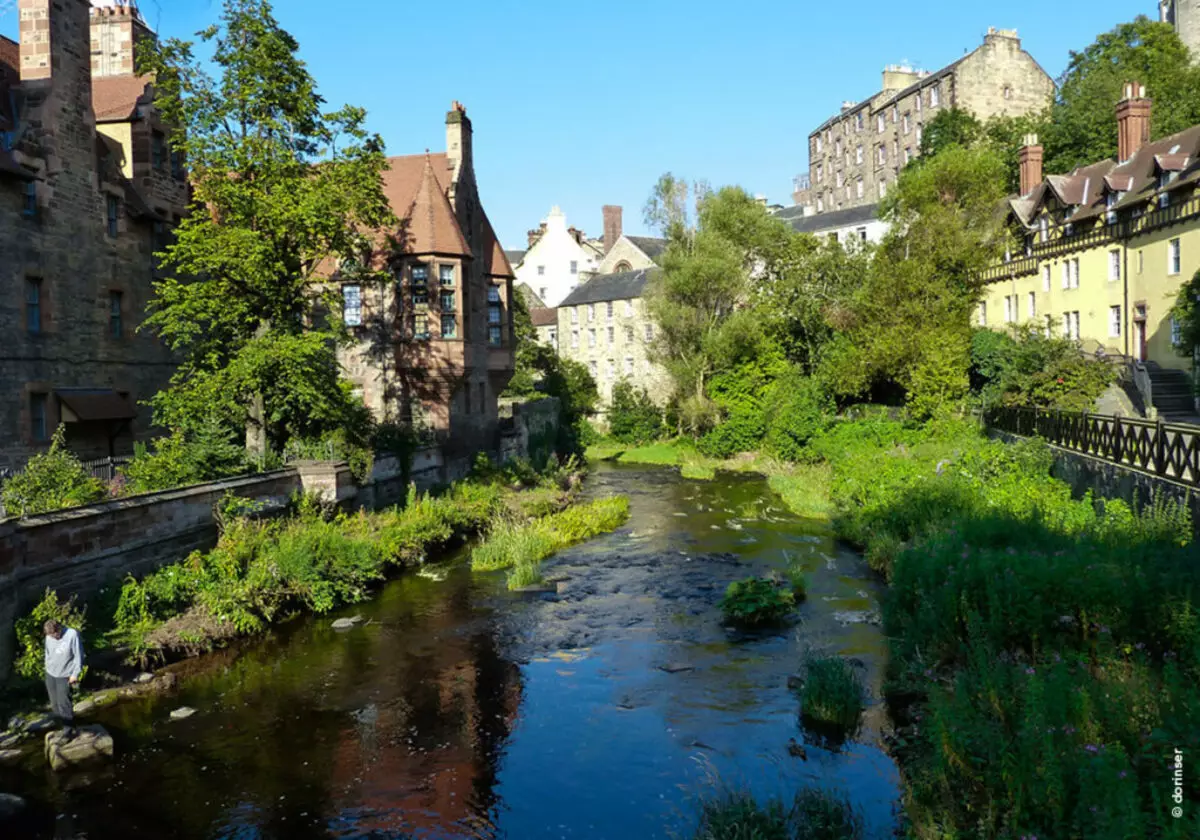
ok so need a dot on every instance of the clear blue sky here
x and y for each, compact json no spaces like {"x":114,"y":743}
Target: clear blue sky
{"x":586,"y":104}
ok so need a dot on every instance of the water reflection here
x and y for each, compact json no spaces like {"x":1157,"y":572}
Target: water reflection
{"x":460,"y":710}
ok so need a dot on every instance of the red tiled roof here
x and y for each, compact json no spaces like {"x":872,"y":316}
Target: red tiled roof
{"x":115,"y":98}
{"x":428,"y":223}
{"x":543,"y":317}
{"x":495,"y":262}
{"x":10,"y":56}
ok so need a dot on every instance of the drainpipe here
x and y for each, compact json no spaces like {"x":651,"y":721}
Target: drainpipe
{"x":1127,"y":326}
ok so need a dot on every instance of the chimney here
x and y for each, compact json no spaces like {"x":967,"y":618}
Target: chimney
{"x":56,"y":42}
{"x":612,"y":226}
{"x":1133,"y":121}
{"x":1030,"y":158}
{"x":118,"y":31}
{"x":458,"y":146}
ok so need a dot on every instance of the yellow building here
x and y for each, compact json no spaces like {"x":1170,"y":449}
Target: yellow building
{"x":1106,"y":247}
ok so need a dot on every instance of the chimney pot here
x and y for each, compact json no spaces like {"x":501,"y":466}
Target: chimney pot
{"x":612,"y":225}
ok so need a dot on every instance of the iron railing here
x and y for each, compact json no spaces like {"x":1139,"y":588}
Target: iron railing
{"x":105,"y":469}
{"x":1168,"y":450}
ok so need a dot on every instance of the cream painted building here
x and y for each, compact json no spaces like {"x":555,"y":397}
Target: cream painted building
{"x":604,"y":325}
{"x":1106,"y":247}
{"x":558,"y":259}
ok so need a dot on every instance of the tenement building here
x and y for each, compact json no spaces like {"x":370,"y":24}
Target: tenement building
{"x":1104,"y":250}
{"x":1185,"y":16}
{"x":434,"y":346}
{"x":88,"y":192}
{"x":856,"y":155}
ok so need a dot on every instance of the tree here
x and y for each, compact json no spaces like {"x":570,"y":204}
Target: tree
{"x":632,"y":415}
{"x":282,"y":193}
{"x":1082,"y":128}
{"x":669,"y":208}
{"x":1187,"y":315}
{"x":951,"y":127}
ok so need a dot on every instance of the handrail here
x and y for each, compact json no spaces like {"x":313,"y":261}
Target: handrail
{"x":1142,"y":381}
{"x":1168,"y":450}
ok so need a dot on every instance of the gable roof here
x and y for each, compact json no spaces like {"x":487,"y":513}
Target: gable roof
{"x":828,"y":221}
{"x":544,"y":317}
{"x":626,"y":285}
{"x":428,"y":223}
{"x":115,"y":98}
{"x":495,"y":262}
{"x":651,"y":246}
{"x":515,"y":257}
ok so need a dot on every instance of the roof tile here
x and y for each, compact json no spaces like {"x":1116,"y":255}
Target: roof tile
{"x":115,"y":98}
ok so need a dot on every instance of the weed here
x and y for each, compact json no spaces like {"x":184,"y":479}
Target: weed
{"x":832,"y":693}
{"x":756,"y":602}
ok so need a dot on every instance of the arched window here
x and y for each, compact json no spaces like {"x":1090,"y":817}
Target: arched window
{"x":622,"y":266}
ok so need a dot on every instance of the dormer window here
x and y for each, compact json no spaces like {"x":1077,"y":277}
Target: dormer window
{"x":1110,"y":201}
{"x":1164,"y":181}
{"x":1044,"y":229}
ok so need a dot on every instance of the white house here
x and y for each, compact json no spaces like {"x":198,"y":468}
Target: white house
{"x":855,"y":224}
{"x":558,"y":259}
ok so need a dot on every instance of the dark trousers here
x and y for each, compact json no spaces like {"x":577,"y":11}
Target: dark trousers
{"x":59,"y":689}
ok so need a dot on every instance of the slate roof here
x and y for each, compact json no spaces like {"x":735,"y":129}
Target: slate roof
{"x":626,"y":285}
{"x":115,"y":98}
{"x":651,"y":246}
{"x":515,"y":257}
{"x":828,"y":221}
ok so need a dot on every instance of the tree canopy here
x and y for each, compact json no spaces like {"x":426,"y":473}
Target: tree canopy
{"x":284,"y":191}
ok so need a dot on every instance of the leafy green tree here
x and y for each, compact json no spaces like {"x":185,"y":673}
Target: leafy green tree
{"x":632,"y":415}
{"x":951,"y":127}
{"x":1187,"y":314}
{"x":526,"y":372}
{"x":52,"y":480}
{"x":206,"y":452}
{"x":282,"y":192}
{"x":674,"y":204}
{"x":1082,"y":129}
{"x":796,"y":409}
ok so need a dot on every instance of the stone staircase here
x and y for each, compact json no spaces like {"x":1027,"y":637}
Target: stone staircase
{"x":1171,"y":391}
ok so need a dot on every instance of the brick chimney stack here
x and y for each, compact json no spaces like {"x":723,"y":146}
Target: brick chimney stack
{"x":1133,"y":121}
{"x":1031,"y":156}
{"x":612,"y":226}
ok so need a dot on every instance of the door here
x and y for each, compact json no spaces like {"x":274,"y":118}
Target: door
{"x":1139,"y":338}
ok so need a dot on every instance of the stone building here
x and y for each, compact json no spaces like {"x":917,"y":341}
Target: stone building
{"x":88,"y":192}
{"x":435,"y":347}
{"x":1185,"y":16}
{"x":1107,"y":247}
{"x":624,"y":253}
{"x":557,"y":260}
{"x":856,"y":155}
{"x":604,"y":324}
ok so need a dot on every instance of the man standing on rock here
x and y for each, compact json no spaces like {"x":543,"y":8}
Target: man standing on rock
{"x":64,"y":663}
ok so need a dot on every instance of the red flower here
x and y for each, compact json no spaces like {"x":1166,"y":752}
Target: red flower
{"x":1060,"y":381}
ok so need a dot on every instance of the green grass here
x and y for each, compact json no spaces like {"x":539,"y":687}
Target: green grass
{"x":832,"y":693}
{"x":805,"y":490}
{"x":525,"y":574}
{"x":668,"y":453}
{"x":814,"y":814}
{"x":698,"y":472}
{"x":604,"y":450}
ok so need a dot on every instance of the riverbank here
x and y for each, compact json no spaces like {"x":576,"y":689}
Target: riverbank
{"x":266,"y":571}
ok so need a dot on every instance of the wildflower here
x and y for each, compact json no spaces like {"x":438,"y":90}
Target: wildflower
{"x":1030,"y":671}
{"x":1060,"y":381}
{"x":1092,"y":748}
{"x":1122,"y":775}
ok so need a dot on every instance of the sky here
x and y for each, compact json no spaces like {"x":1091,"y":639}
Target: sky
{"x":585,"y":104}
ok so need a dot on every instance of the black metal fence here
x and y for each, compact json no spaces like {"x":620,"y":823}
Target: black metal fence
{"x":1164,"y":449}
{"x":105,"y":469}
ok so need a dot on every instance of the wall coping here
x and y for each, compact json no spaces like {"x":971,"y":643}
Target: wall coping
{"x":142,"y":499}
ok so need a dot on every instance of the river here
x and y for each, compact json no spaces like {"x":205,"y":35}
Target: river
{"x":462,"y":710}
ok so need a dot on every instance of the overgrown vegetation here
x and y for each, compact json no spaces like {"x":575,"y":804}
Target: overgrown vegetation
{"x":632,"y":415}
{"x":207,"y":453}
{"x":832,"y":694}
{"x":1029,"y":368}
{"x":757,"y":602}
{"x":814,"y":814}
{"x":52,"y":480}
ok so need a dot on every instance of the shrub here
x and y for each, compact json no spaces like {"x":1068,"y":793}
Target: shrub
{"x":208,"y":453}
{"x":632,"y":415}
{"x":335,"y":446}
{"x":1030,"y":368}
{"x":742,"y":431}
{"x":31,"y":638}
{"x":832,"y":693}
{"x":52,"y":480}
{"x":797,"y":409}
{"x":756,"y":602}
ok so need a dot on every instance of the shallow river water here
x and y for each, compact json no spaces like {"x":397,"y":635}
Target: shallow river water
{"x":462,"y":710}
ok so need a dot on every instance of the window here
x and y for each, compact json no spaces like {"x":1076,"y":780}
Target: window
{"x":591,"y":310}
{"x":592,"y":337}
{"x":612,"y":336}
{"x":896,"y":149}
{"x":859,"y":187}
{"x":629,"y":335}
{"x":1007,"y":92}
{"x":820,"y":145}
{"x":114,"y":314}
{"x":33,"y":305}
{"x":158,"y":150}
{"x":446,"y":275}
{"x":918,"y":102}
{"x":495,"y":317}
{"x":880,"y":123}
{"x":541,"y":271}
{"x":1075,"y":273}
{"x":1049,"y":326}
{"x":935,"y":96}
{"x":542,"y":293}
{"x":114,"y":216}
{"x":420,"y":325}
{"x":446,"y":301}
{"x":907,"y":154}
{"x":449,"y":326}
{"x":574,"y":314}
{"x":574,"y":339}
{"x":895,"y":114}
{"x":177,"y":170}
{"x":1174,"y":257}
{"x":862,"y":234}
{"x":1070,"y":274}
{"x":907,"y":123}
{"x":1032,"y":305}
{"x":1114,"y":322}
{"x":1045,"y":278}
{"x":629,"y":365}
{"x":1071,"y":325}
{"x":420,"y":285}
{"x":1114,"y":265}
{"x":594,"y":368}
{"x":38,"y":426}
{"x":1164,"y":198}
{"x":841,"y":179}
{"x":983,"y":313}
{"x":420,"y":275}
{"x":629,"y":309}
{"x":847,"y":192}
{"x":608,"y":311}
{"x":610,"y":369}
{"x":820,"y":204}
{"x":1176,"y":331}
{"x":1044,"y":229}
{"x":837,"y":148}
{"x":858,"y":121}
{"x":881,"y":154}
{"x":882,"y":188}
{"x":858,"y":154}
{"x":29,"y":204}
{"x":920,"y":133}
{"x":1009,"y":315}
{"x":649,"y":332}
{"x":352,"y":305}
{"x":574,"y":267}
{"x":1110,"y":201}
{"x":820,"y":173}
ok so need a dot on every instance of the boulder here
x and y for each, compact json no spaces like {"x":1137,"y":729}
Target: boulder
{"x":94,"y":702}
{"x":10,"y":805}
{"x":89,"y":744}
{"x":8,"y":740}
{"x":143,"y":677}
{"x":38,"y":725}
{"x":10,"y":756}
{"x":183,"y":713}
{"x":347,"y":623}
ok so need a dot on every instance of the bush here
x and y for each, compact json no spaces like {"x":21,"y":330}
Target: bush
{"x":741,"y":431}
{"x":756,"y":602}
{"x":208,"y":453}
{"x":31,"y":637}
{"x":797,"y":410}
{"x":832,"y":693}
{"x":632,"y":415}
{"x":52,"y":480}
{"x":821,"y":815}
{"x":1032,"y":369}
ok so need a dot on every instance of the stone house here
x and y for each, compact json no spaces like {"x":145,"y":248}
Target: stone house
{"x":434,"y":347}
{"x":624,"y":253}
{"x":557,"y":260}
{"x":1184,"y":15}
{"x":856,"y":155}
{"x":89,"y":190}
{"x":1101,"y":253}
{"x":604,"y":324}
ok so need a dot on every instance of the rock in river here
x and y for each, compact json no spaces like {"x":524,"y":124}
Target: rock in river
{"x":676,"y":667}
{"x":347,"y":623}
{"x":10,"y":756}
{"x":183,"y":713}
{"x":90,"y":744}
{"x":10,"y":805}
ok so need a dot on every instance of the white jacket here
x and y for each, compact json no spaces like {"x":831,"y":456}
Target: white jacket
{"x":64,"y":657}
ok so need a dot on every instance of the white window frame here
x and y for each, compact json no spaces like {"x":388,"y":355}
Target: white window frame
{"x":1174,"y":257}
{"x":1114,"y":322}
{"x":1046,"y":278}
{"x":352,"y":305}
{"x":1032,"y":301}
{"x":1114,"y":265}
{"x":591,"y":337}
